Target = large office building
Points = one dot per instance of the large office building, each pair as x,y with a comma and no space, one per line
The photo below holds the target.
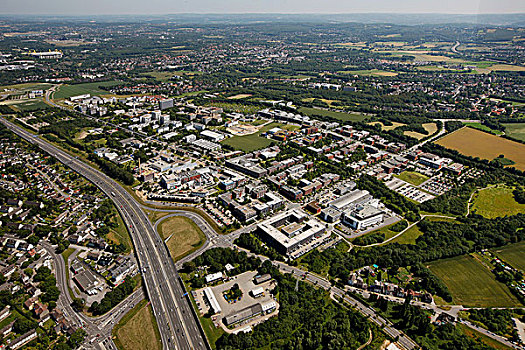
362,217
290,230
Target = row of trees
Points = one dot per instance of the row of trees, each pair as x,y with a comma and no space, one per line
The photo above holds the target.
111,299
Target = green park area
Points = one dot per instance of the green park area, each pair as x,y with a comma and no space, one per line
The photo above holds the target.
496,202
66,91
342,116
138,329
412,177
482,127
252,142
184,236
472,284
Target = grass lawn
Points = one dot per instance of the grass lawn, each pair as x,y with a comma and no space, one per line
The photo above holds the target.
31,105
252,142
353,117
513,254
409,237
185,236
67,91
496,202
120,235
472,284
412,177
482,127
138,329
67,253
515,130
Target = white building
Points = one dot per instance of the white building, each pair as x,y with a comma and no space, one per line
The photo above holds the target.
362,217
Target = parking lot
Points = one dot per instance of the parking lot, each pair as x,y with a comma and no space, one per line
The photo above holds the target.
246,285
408,190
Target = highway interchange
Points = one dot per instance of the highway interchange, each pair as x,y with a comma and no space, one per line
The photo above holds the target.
178,323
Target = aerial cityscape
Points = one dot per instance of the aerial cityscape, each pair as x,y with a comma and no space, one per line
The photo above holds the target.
251,176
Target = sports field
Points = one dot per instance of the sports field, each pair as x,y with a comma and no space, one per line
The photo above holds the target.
354,117
412,177
515,130
513,254
476,143
67,91
185,236
472,284
138,329
496,202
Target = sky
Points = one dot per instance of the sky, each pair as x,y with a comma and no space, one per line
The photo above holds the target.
155,7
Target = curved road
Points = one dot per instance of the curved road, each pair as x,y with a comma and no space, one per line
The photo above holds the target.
178,324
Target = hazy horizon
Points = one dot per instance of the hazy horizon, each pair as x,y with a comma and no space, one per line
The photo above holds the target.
326,7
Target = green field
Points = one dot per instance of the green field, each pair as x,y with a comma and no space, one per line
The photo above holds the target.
513,254
496,202
31,105
369,72
412,177
138,329
248,143
67,91
409,237
342,116
184,236
515,130
472,284
482,127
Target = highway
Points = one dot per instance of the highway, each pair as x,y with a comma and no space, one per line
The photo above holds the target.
178,324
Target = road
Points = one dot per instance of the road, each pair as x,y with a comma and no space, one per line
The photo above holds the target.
177,321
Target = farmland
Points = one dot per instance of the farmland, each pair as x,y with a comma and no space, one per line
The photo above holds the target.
472,284
387,127
515,130
476,143
342,116
67,91
496,202
513,254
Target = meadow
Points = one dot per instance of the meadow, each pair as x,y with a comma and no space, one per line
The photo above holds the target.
412,177
515,130
66,91
472,284
496,202
185,236
138,329
513,254
252,142
342,116
476,143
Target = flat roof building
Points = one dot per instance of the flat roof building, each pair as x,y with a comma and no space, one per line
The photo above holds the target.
362,217
290,230
212,301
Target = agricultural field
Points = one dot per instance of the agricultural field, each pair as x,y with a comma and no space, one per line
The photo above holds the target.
496,202
66,91
515,130
412,177
472,284
342,116
476,143
252,142
138,329
185,236
513,254
387,127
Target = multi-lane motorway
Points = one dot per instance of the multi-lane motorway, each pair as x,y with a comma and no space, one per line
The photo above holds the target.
178,324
